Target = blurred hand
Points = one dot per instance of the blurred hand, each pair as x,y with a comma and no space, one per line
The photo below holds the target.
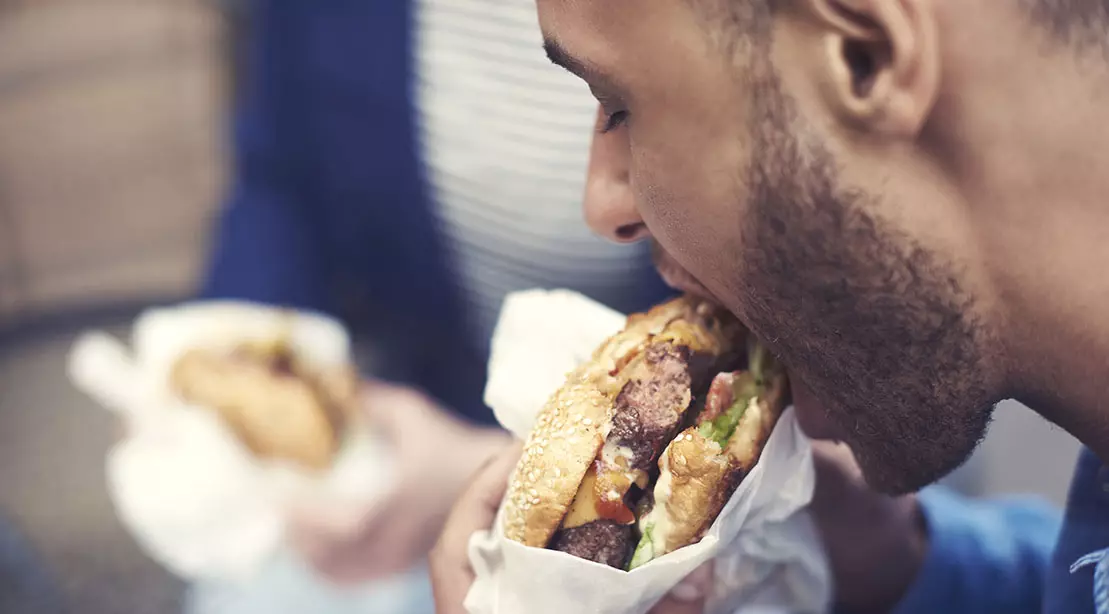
875,544
451,574
435,455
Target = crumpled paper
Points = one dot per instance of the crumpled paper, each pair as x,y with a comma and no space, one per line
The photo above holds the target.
768,556
194,498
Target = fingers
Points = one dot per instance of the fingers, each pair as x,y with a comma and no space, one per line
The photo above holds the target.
324,536
392,409
407,417
688,597
451,575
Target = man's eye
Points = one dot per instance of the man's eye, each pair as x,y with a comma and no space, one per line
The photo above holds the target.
614,121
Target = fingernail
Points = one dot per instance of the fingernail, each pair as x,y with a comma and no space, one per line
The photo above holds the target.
695,586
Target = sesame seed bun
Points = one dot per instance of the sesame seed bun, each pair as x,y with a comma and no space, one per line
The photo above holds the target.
277,407
572,427
697,477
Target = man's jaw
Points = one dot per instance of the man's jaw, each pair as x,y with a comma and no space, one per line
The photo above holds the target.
811,414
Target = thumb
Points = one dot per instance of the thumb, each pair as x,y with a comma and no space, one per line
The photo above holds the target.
688,597
451,575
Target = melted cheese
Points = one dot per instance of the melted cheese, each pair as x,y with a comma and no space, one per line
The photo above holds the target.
583,510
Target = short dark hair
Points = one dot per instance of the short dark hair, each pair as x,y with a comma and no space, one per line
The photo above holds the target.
1076,21
736,24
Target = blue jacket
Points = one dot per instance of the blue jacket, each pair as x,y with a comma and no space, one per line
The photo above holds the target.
1018,556
329,210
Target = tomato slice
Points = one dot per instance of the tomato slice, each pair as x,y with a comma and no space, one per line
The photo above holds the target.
615,511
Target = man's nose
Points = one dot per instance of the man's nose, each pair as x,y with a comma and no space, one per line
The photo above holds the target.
609,203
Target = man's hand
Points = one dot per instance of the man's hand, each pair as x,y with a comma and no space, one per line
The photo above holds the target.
451,574
435,454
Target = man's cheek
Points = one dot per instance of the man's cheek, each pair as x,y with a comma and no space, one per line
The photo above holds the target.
664,207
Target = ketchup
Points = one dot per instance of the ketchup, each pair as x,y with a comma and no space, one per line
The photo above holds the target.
609,506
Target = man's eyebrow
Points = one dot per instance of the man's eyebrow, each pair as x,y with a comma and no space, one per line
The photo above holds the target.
561,57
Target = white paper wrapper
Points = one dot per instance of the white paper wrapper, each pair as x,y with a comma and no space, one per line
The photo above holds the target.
768,557
192,495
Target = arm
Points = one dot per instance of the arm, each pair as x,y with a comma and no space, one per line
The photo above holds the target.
267,245
983,556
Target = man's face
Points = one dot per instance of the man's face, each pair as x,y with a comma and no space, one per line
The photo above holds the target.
705,145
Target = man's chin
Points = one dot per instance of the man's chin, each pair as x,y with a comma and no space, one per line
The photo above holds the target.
816,423
887,480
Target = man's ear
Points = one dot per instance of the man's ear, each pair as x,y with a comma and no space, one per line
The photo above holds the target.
881,60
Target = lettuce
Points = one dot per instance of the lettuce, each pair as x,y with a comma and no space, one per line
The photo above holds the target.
644,550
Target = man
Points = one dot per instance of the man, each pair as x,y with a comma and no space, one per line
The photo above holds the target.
402,165
894,195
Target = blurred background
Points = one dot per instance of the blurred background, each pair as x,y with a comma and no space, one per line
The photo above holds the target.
111,164
114,160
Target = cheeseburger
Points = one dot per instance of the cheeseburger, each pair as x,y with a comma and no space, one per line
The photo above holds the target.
639,450
278,405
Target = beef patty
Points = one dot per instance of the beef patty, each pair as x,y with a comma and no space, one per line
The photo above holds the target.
602,541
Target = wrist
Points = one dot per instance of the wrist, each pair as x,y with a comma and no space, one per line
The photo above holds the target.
902,557
886,561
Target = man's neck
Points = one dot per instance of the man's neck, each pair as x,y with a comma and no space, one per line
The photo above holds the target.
1033,149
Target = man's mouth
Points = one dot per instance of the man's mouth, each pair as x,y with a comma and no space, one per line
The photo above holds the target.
811,414
675,275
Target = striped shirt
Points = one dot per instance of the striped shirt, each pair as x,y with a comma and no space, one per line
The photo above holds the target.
505,137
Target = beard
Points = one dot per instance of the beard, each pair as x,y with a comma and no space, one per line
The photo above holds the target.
878,326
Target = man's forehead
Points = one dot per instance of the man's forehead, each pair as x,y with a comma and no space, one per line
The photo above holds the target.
557,16
580,34
590,30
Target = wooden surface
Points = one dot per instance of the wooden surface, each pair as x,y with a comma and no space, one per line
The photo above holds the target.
111,157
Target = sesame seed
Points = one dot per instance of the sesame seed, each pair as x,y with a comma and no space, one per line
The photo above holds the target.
587,422
535,501
533,492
